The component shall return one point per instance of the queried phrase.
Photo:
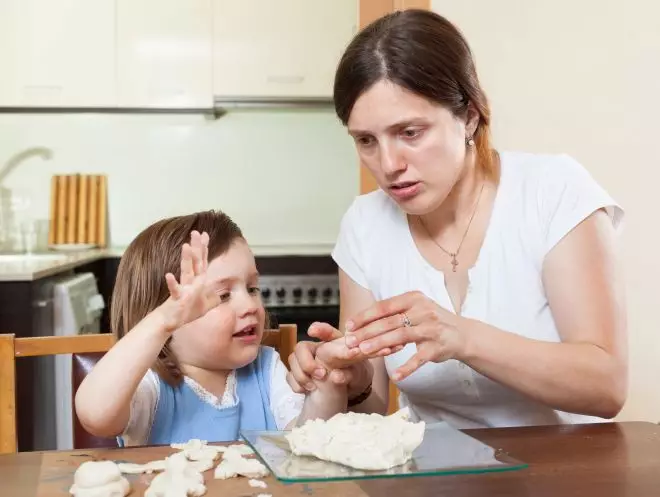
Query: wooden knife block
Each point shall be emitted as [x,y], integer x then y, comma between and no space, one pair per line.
[78,210]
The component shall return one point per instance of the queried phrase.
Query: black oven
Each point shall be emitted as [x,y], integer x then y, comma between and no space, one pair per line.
[299,290]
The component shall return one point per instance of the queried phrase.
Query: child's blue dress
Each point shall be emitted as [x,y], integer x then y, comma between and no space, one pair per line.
[181,415]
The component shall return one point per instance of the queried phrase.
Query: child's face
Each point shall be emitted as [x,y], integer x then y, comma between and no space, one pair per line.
[228,336]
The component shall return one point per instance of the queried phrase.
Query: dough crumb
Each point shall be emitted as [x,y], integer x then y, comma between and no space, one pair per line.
[257,483]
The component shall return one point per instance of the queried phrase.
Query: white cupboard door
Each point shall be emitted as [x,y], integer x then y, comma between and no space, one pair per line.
[164,50]
[57,53]
[284,48]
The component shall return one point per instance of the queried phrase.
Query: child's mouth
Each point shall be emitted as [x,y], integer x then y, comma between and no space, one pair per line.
[248,331]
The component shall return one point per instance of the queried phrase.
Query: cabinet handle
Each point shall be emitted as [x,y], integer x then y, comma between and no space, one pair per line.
[287,80]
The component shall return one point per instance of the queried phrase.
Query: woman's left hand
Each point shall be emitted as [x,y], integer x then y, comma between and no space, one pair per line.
[408,318]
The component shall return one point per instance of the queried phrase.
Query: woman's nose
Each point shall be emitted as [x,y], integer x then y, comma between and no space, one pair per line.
[391,161]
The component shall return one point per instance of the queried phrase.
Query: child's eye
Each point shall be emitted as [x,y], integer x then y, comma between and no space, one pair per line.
[224,296]
[254,290]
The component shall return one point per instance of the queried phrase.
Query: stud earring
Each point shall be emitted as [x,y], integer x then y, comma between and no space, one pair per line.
[469,141]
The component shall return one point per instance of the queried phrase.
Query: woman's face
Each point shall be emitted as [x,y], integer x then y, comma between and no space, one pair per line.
[415,148]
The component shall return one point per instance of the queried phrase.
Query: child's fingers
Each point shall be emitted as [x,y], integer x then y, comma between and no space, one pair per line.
[196,244]
[205,251]
[341,376]
[187,271]
[173,286]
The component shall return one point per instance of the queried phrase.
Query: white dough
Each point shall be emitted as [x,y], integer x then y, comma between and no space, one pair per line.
[96,473]
[361,441]
[257,483]
[242,449]
[99,479]
[134,469]
[198,450]
[234,464]
[180,479]
[265,495]
[203,465]
[119,488]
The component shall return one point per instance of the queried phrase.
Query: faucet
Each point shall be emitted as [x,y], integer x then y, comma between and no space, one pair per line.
[6,213]
[43,152]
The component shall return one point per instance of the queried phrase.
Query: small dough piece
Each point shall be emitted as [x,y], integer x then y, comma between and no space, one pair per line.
[242,449]
[237,465]
[119,488]
[265,495]
[193,443]
[203,465]
[257,483]
[180,479]
[96,473]
[99,479]
[198,450]
[130,468]
[360,441]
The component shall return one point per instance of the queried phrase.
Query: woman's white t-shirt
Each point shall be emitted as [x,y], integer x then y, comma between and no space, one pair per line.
[540,199]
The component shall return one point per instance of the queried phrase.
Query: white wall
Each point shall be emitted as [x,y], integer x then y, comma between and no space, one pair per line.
[561,78]
[285,177]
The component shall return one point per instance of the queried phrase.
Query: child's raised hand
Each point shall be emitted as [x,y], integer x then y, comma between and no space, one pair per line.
[193,296]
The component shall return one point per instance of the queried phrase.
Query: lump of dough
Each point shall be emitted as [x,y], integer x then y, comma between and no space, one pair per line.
[257,483]
[242,449]
[198,450]
[99,479]
[134,469]
[180,479]
[361,441]
[234,464]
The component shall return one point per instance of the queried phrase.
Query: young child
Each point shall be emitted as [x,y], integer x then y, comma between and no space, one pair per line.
[188,362]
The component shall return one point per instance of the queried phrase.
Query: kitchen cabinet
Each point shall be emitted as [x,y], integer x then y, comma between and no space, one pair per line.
[285,48]
[164,54]
[57,53]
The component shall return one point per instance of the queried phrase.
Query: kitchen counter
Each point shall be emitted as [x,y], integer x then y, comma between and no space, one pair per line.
[22,267]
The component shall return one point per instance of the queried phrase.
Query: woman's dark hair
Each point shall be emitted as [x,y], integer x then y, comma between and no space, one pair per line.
[424,53]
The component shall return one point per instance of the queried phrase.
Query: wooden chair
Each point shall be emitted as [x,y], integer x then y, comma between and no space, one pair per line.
[86,350]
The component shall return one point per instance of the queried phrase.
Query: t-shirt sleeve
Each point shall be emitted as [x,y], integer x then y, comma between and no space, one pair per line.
[143,409]
[569,196]
[285,404]
[347,252]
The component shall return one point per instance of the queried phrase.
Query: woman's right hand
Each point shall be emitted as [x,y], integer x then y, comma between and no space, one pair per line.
[312,360]
[192,297]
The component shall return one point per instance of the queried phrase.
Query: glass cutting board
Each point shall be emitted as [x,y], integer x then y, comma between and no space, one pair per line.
[444,451]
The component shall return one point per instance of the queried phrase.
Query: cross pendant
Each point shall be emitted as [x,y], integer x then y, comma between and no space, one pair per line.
[454,262]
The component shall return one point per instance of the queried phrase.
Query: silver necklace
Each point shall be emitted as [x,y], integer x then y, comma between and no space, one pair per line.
[454,255]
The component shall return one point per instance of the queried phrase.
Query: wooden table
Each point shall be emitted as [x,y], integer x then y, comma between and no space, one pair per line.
[603,460]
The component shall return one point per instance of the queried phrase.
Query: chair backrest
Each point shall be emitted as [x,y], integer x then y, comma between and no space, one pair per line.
[86,350]
[12,347]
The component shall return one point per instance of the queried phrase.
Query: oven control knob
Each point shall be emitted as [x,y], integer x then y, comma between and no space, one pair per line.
[327,293]
[312,293]
[297,293]
[265,293]
[280,292]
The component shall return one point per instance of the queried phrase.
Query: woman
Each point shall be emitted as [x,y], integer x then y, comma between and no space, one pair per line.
[484,284]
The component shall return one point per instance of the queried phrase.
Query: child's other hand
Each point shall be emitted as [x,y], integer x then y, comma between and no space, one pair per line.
[191,298]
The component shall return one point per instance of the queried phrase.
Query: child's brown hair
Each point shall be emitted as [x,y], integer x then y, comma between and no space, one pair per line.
[140,285]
